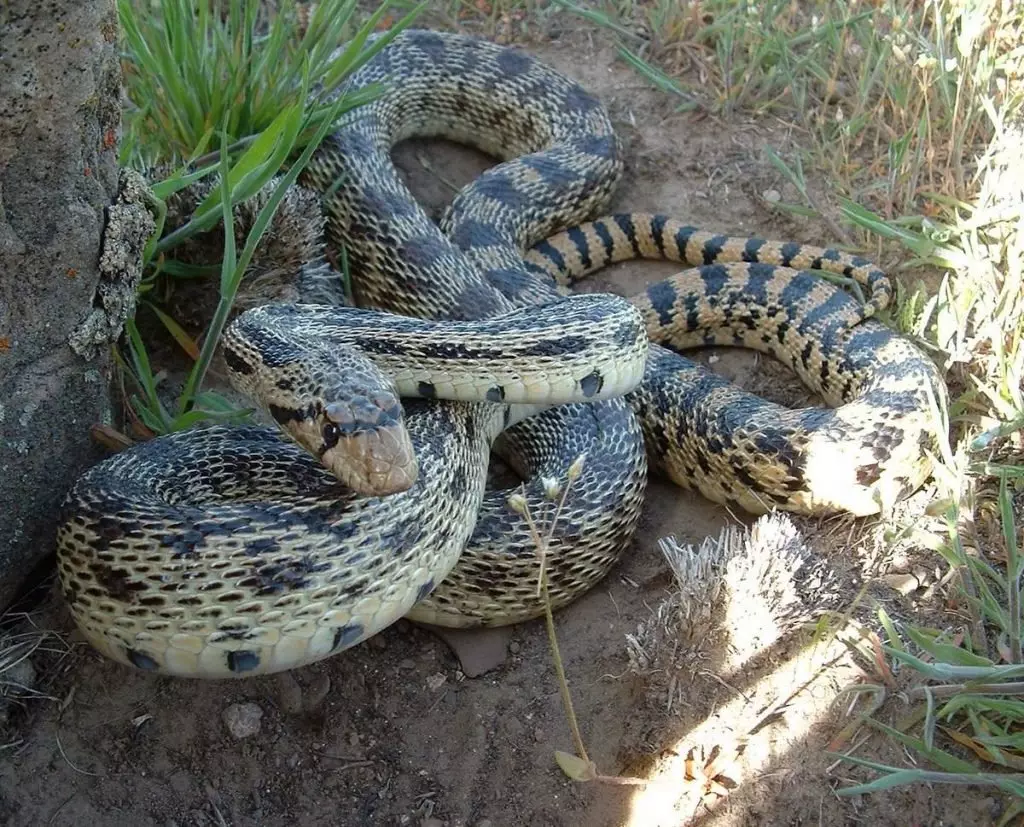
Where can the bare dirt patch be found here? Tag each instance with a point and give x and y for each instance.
(393, 733)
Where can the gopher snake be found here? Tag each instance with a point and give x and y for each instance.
(221, 551)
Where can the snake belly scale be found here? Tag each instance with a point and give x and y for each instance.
(230, 551)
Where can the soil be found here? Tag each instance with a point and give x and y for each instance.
(393, 732)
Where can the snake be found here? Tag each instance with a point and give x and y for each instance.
(235, 550)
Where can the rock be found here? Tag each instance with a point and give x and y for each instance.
(905, 584)
(19, 677)
(478, 650)
(243, 720)
(59, 126)
(16, 681)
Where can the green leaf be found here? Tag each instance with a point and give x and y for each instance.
(186, 342)
(945, 652)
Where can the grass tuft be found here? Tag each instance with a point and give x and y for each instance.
(236, 90)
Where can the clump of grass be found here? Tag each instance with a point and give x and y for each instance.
(239, 91)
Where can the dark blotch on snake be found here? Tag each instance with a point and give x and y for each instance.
(551, 254)
(714, 277)
(499, 187)
(682, 238)
(237, 363)
(430, 43)
(605, 237)
(422, 251)
(662, 296)
(261, 546)
(284, 415)
(347, 635)
(243, 661)
(513, 62)
(789, 251)
(713, 248)
(628, 226)
(579, 241)
(551, 170)
(426, 390)
(425, 589)
(579, 100)
(752, 249)
(658, 233)
(496, 394)
(591, 384)
(116, 582)
(556, 347)
(142, 661)
(470, 233)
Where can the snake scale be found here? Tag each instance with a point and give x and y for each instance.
(231, 551)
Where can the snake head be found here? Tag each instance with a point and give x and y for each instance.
(328, 397)
(364, 442)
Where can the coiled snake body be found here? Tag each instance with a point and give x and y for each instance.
(230, 551)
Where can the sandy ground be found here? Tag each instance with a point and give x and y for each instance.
(393, 732)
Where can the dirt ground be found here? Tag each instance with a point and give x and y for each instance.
(393, 732)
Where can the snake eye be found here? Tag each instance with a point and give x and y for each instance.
(331, 434)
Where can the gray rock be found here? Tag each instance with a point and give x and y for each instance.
(59, 124)
(243, 720)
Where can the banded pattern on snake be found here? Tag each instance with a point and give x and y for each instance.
(221, 551)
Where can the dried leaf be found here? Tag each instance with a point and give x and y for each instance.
(576, 768)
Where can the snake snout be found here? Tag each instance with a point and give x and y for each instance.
(367, 446)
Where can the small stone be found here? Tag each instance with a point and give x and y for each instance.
(18, 680)
(515, 647)
(22, 674)
(319, 689)
(407, 663)
(243, 720)
(538, 735)
(772, 196)
(378, 642)
(903, 583)
(436, 681)
(289, 693)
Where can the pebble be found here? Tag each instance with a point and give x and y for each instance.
(407, 663)
(289, 693)
(18, 678)
(515, 647)
(22, 673)
(905, 584)
(243, 720)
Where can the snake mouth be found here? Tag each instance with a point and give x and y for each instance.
(374, 462)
